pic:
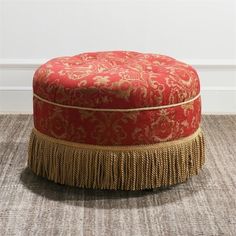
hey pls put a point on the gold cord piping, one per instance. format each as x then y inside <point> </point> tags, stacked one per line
<point>117,109</point>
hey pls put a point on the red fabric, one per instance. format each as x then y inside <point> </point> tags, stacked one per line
<point>116,80</point>
<point>117,128</point>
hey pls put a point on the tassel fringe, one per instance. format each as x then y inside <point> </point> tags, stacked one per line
<point>116,167</point>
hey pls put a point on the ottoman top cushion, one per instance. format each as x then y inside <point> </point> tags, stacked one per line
<point>116,80</point>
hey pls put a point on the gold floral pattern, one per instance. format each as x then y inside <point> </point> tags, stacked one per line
<point>117,128</point>
<point>116,80</point>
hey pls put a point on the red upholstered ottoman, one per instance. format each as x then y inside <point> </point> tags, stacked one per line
<point>116,120</point>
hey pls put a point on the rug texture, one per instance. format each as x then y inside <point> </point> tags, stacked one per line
<point>204,205</point>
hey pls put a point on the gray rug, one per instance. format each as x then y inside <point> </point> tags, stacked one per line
<point>205,205</point>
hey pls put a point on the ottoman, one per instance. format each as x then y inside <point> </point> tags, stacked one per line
<point>116,120</point>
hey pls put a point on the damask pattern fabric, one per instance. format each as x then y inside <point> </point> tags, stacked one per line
<point>116,120</point>
<point>116,80</point>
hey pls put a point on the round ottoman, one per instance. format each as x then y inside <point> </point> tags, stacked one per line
<point>116,120</point>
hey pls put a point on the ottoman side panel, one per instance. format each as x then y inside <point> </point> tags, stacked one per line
<point>117,128</point>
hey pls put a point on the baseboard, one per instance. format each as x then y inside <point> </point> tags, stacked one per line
<point>36,62</point>
<point>218,80</point>
<point>217,101</point>
<point>16,101</point>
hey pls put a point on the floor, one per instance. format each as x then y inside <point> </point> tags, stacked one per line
<point>205,205</point>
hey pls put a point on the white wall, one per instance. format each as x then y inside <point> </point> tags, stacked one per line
<point>200,32</point>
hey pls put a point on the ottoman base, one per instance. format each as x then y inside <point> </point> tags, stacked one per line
<point>116,167</point>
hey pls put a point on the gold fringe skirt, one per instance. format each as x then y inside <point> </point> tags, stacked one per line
<point>116,167</point>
